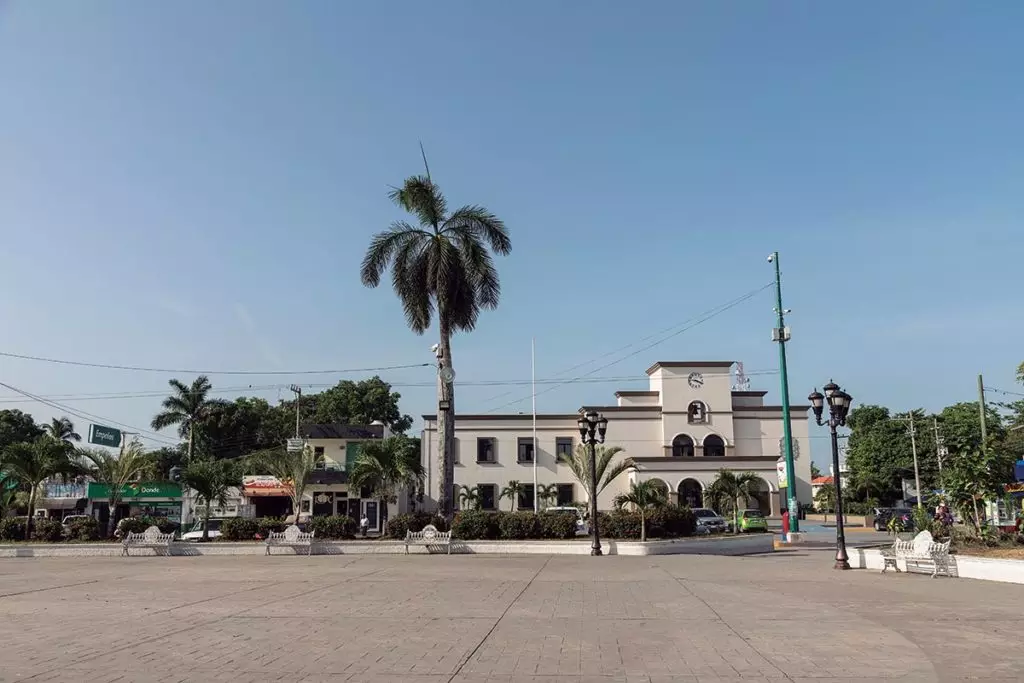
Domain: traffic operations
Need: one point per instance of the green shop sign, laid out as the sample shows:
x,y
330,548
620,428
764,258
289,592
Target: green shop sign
x,y
104,436
158,489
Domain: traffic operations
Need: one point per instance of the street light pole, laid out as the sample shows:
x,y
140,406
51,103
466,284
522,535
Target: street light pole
x,y
781,335
838,407
592,428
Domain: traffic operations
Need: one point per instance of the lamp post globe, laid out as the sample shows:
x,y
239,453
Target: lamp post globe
x,y
593,427
839,403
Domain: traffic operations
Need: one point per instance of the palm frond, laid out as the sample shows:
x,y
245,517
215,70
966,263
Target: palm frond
x,y
479,225
420,196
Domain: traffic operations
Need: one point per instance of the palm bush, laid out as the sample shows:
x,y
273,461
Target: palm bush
x,y
642,496
607,471
387,467
731,490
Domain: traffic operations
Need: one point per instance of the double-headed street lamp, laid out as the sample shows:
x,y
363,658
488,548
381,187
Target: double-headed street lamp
x,y
592,429
838,407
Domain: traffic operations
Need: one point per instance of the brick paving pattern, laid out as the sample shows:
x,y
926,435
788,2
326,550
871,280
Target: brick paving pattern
x,y
467,619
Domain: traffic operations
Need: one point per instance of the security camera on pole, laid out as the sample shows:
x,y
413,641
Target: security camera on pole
x,y
781,335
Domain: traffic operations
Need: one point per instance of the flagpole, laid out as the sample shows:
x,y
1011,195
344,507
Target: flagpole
x,y
533,384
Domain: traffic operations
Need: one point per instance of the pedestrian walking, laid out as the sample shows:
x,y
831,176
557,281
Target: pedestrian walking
x,y
364,524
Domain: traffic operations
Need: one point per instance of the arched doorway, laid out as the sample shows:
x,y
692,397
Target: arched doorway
x,y
763,499
691,493
682,446
714,446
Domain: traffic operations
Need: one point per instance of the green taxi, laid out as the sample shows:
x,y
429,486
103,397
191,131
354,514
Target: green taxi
x,y
753,520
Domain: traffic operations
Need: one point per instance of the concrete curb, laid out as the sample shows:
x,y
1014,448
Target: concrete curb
x,y
962,566
741,545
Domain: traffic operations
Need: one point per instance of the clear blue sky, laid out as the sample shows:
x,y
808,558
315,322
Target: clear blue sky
x,y
194,184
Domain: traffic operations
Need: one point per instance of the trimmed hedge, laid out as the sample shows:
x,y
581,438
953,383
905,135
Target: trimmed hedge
x,y
669,522
334,527
48,530
136,525
83,529
12,529
399,524
239,529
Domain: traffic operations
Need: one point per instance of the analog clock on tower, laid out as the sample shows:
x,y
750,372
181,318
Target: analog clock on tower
x,y
695,380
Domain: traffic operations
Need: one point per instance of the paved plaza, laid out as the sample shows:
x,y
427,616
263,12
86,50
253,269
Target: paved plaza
x,y
419,619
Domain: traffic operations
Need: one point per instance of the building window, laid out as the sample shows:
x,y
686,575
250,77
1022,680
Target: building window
x,y
525,498
455,454
566,495
682,447
563,447
488,496
697,413
485,449
714,447
318,455
525,451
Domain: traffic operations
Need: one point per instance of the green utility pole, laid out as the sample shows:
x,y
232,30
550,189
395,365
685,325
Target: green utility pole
x,y
781,335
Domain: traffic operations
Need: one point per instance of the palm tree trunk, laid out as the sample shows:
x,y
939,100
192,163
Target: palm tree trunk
x,y
31,511
206,522
446,422
643,525
736,515
112,517
191,433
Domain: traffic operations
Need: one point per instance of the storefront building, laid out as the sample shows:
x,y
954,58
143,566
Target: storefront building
x,y
160,499
63,498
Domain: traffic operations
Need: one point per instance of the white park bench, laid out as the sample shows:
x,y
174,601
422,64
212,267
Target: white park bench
x,y
922,550
428,537
150,538
293,537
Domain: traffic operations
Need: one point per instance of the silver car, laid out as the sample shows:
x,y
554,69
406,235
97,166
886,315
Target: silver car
x,y
709,521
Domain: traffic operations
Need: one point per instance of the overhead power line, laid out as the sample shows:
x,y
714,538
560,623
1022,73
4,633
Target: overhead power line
x,y
186,371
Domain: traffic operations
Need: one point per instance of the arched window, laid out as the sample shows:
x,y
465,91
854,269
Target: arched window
x,y
697,412
682,447
714,446
691,493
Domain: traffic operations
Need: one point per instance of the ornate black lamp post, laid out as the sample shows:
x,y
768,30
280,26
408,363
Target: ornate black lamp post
x,y
838,407
592,429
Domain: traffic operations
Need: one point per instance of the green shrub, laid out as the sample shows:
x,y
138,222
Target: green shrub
x,y
399,524
12,529
622,524
268,524
671,521
470,525
333,527
83,529
239,529
131,525
556,525
47,530
518,526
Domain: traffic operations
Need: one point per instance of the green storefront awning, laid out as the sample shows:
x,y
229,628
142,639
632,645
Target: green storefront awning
x,y
148,489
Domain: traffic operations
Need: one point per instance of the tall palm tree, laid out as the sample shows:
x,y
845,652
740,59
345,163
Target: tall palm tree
x,y
547,493
470,497
512,492
732,489
187,407
291,468
441,263
62,429
115,471
386,467
643,496
30,464
212,480
867,482
579,465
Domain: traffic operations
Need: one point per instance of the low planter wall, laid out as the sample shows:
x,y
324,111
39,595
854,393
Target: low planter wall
x,y
850,520
963,566
721,545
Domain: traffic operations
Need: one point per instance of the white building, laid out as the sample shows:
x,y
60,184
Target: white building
x,y
687,426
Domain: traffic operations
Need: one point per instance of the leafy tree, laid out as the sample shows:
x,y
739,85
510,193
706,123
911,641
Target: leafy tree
x,y
512,492
362,402
643,496
607,472
386,466
866,482
825,498
880,444
17,427
30,464
443,263
291,468
62,429
233,429
732,490
212,480
546,494
470,497
115,471
188,407
162,460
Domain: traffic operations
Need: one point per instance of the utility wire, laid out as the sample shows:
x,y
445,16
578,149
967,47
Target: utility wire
x,y
707,315
135,368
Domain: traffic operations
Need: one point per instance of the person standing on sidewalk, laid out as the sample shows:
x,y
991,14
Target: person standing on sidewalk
x,y
364,524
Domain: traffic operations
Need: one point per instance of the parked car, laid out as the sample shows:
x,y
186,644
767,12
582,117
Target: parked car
x,y
883,515
582,528
709,521
196,532
71,518
753,520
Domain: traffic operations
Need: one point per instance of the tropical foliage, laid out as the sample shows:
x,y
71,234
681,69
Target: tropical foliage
x,y
30,464
187,407
387,467
470,497
512,492
608,468
642,497
731,491
115,470
440,265
291,468
62,429
212,480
